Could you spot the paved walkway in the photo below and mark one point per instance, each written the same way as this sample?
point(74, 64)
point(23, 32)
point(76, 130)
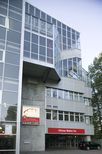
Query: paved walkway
point(66, 152)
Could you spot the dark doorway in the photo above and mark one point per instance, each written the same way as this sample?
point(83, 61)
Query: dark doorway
point(61, 141)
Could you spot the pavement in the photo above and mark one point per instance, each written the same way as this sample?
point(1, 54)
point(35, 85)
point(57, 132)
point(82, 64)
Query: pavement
point(65, 152)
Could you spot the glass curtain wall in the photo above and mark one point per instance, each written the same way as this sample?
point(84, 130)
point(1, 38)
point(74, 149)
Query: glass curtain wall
point(10, 39)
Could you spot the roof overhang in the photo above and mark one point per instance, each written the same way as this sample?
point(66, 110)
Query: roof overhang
point(41, 72)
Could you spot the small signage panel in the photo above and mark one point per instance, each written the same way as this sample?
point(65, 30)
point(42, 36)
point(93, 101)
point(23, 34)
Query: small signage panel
point(30, 115)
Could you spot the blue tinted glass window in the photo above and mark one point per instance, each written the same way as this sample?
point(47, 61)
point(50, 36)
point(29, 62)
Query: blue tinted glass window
point(35, 24)
point(64, 46)
point(48, 18)
point(54, 21)
point(49, 30)
point(10, 97)
point(64, 40)
point(26, 46)
point(69, 42)
point(26, 54)
point(49, 52)
point(11, 71)
point(27, 21)
point(42, 41)
point(73, 31)
point(17, 3)
point(65, 63)
point(68, 29)
point(59, 30)
point(12, 58)
point(49, 43)
point(14, 15)
point(70, 65)
point(64, 32)
point(42, 27)
point(14, 25)
point(37, 13)
point(58, 23)
point(43, 16)
point(13, 36)
point(63, 26)
point(3, 10)
point(2, 20)
point(42, 50)
point(34, 48)
point(68, 34)
point(35, 38)
point(1, 69)
point(2, 33)
point(34, 56)
point(73, 36)
point(31, 10)
point(27, 36)
point(26, 7)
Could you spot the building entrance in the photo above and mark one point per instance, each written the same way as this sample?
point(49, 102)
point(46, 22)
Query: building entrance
point(56, 141)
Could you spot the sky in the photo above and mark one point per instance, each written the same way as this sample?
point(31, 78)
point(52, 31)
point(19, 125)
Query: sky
point(84, 16)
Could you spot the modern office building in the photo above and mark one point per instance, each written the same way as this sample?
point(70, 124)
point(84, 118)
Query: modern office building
point(45, 94)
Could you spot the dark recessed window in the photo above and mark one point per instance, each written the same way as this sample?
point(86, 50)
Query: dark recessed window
point(53, 21)
point(68, 29)
point(43, 16)
point(48, 18)
point(63, 26)
point(31, 10)
point(73, 36)
point(64, 32)
point(59, 30)
point(37, 13)
point(58, 23)
point(64, 40)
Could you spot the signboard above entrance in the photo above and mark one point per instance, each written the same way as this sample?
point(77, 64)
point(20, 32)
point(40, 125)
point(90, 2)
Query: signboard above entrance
point(66, 131)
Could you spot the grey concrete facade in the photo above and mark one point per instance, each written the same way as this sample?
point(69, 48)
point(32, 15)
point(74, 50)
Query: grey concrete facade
point(33, 137)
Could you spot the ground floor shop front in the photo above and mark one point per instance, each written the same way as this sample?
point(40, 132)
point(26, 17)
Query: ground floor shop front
point(62, 141)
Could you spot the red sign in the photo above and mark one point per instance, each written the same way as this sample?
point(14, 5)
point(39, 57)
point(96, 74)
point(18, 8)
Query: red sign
point(28, 119)
point(66, 130)
point(30, 115)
